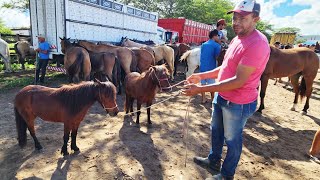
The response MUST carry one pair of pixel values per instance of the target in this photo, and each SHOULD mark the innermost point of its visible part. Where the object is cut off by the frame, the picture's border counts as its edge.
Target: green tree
(22, 5)
(288, 30)
(4, 29)
(265, 28)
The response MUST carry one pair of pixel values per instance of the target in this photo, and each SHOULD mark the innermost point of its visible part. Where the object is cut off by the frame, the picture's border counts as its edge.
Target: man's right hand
(193, 79)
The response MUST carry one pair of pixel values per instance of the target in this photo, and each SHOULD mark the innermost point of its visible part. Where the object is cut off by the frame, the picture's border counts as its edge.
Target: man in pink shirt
(236, 89)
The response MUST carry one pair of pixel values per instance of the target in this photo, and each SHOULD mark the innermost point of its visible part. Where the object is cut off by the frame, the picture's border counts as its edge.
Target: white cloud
(14, 18)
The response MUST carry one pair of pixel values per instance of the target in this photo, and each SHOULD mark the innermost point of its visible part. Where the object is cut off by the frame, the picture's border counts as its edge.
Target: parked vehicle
(188, 31)
(92, 20)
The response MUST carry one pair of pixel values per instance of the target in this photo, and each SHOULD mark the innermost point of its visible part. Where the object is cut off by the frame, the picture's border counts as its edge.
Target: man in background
(43, 58)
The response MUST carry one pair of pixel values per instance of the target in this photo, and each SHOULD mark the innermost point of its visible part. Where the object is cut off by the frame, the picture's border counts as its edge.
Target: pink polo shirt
(252, 50)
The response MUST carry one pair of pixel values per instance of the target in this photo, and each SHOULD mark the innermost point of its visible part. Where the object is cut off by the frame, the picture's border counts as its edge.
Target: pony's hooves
(75, 149)
(303, 113)
(293, 109)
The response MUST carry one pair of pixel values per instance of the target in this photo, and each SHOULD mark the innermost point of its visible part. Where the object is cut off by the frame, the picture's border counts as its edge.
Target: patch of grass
(24, 78)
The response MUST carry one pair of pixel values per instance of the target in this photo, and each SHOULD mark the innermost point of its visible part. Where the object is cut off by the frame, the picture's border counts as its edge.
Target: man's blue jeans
(228, 121)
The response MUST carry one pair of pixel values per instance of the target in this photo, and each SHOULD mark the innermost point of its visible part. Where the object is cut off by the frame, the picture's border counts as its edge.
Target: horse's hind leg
(149, 112)
(74, 138)
(295, 85)
(264, 84)
(308, 85)
(30, 125)
(138, 110)
(64, 149)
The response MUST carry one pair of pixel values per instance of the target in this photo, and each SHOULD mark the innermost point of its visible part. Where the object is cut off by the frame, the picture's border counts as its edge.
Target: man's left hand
(191, 89)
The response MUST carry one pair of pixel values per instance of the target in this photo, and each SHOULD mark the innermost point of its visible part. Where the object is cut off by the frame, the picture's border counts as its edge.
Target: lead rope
(185, 131)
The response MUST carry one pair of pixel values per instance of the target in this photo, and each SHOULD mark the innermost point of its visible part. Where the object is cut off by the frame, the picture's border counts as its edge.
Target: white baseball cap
(245, 7)
(41, 35)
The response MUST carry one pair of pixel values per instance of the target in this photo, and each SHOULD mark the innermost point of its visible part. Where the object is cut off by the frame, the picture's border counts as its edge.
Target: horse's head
(123, 41)
(106, 96)
(159, 75)
(65, 43)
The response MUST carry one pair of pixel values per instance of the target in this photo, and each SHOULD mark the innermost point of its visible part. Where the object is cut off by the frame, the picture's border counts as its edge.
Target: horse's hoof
(75, 148)
(303, 113)
(38, 147)
(293, 109)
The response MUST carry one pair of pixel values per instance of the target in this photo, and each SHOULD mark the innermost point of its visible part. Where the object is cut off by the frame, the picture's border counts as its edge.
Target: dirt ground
(274, 147)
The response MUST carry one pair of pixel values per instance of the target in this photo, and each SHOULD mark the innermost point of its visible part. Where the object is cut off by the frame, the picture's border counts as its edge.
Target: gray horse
(23, 49)
(5, 55)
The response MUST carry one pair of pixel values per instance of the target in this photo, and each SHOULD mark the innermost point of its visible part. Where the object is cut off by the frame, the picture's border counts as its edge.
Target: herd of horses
(135, 66)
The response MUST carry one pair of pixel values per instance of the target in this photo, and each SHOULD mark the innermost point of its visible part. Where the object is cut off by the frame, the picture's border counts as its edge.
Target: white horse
(5, 55)
(193, 60)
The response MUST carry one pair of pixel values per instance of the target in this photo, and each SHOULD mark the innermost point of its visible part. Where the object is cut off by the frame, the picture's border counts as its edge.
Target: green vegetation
(20, 78)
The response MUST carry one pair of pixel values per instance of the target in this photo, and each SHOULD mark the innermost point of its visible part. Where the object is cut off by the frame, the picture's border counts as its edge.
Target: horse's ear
(60, 38)
(68, 39)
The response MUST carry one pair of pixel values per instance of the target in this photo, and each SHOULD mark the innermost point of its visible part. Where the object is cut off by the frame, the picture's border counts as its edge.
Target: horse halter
(162, 79)
(106, 108)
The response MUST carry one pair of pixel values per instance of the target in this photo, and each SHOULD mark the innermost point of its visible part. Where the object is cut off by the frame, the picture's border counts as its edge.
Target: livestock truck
(182, 30)
(92, 20)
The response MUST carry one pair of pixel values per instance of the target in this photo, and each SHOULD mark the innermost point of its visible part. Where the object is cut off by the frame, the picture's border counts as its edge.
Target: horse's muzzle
(113, 112)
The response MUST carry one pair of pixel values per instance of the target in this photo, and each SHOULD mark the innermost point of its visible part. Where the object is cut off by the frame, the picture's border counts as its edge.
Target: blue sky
(289, 9)
(303, 14)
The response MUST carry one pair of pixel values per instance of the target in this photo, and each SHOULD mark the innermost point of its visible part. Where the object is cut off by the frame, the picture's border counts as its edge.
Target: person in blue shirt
(221, 25)
(43, 58)
(209, 52)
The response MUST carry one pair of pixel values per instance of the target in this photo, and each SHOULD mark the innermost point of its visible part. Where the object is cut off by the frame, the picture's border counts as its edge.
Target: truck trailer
(92, 20)
(190, 32)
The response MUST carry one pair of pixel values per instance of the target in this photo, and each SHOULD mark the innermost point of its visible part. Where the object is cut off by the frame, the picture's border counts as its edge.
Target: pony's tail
(185, 55)
(77, 65)
(302, 88)
(21, 128)
(134, 63)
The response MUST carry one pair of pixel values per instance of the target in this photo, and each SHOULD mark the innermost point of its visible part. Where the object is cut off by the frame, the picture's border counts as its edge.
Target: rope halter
(105, 108)
(162, 79)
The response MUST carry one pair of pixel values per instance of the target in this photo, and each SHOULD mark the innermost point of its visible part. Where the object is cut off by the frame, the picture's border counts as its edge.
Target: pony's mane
(75, 96)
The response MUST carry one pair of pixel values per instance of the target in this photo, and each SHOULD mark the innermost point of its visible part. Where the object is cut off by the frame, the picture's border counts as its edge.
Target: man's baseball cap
(41, 35)
(245, 7)
(221, 21)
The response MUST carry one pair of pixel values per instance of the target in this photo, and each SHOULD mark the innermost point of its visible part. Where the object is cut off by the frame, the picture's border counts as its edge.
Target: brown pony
(76, 61)
(294, 62)
(161, 52)
(125, 55)
(144, 59)
(144, 87)
(67, 104)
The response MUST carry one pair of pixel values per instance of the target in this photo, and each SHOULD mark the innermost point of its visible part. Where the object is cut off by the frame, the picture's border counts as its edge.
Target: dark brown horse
(294, 62)
(144, 59)
(143, 87)
(125, 55)
(68, 104)
(76, 61)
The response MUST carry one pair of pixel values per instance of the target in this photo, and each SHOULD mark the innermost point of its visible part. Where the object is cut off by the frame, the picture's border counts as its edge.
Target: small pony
(67, 104)
(144, 87)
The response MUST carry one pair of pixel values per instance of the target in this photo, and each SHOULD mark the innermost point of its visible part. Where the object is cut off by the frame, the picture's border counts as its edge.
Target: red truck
(189, 31)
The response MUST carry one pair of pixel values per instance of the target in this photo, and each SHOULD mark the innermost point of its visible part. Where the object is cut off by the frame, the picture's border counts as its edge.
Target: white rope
(185, 131)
